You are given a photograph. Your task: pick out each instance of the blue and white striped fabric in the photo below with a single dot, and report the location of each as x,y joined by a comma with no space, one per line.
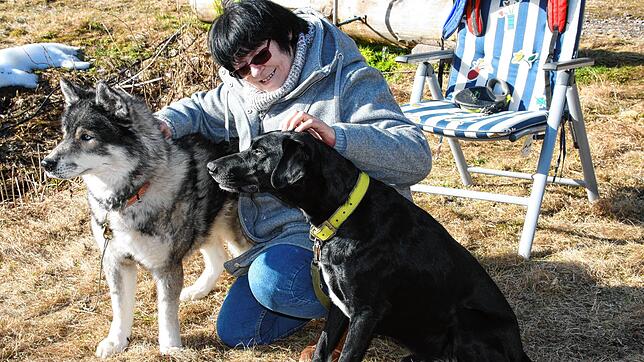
514,48
445,118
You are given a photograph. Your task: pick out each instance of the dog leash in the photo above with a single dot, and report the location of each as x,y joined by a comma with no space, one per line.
108,235
320,234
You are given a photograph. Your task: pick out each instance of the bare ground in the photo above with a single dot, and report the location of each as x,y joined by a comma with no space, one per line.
580,297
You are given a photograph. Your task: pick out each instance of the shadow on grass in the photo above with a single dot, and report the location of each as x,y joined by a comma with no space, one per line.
623,204
610,58
566,314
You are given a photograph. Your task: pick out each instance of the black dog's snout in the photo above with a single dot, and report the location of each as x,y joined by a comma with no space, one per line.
48,164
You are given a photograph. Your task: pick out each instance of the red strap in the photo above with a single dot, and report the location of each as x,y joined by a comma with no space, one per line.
138,195
557,15
473,17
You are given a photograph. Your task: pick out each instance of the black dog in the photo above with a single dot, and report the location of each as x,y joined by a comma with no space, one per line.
390,268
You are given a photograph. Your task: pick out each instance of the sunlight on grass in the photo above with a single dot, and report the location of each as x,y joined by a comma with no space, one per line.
600,73
579,298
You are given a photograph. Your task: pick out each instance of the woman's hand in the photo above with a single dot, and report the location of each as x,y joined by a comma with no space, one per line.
300,121
165,130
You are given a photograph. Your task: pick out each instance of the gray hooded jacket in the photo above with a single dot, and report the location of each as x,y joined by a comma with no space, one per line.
338,87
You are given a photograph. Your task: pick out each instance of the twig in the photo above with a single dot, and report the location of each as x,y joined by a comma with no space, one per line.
101,10
83,311
18,187
32,177
13,191
108,32
142,83
43,189
41,177
156,55
3,189
41,174
3,130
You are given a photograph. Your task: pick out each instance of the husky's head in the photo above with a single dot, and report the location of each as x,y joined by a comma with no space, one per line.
106,133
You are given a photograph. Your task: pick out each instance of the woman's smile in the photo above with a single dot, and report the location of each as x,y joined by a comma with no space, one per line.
270,76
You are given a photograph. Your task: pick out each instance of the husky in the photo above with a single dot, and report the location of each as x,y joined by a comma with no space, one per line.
152,202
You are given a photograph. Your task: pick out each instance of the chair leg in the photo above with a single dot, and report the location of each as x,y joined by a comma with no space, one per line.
459,159
574,107
419,83
425,74
543,167
433,85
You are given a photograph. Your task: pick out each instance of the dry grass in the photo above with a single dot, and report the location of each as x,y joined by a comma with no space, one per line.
580,297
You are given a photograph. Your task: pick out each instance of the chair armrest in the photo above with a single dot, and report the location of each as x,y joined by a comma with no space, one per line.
569,64
425,57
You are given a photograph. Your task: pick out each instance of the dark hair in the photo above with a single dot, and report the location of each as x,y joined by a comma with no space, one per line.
245,24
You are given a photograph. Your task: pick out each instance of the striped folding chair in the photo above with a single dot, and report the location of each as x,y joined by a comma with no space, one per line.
509,40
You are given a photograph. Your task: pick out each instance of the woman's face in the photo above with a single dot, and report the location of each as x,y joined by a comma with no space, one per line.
271,75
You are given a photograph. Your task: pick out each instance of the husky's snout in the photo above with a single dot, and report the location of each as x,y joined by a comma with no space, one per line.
49,164
57,165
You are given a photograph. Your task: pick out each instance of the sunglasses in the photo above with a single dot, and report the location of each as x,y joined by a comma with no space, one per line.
260,58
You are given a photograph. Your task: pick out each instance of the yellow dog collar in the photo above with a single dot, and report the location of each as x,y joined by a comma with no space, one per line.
329,227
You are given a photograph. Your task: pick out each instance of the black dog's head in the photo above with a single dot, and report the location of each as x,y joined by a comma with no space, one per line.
273,161
294,167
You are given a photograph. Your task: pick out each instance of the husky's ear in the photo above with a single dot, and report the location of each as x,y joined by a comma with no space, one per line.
291,166
113,101
71,92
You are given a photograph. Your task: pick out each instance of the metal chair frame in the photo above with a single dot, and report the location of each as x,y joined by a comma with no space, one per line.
565,94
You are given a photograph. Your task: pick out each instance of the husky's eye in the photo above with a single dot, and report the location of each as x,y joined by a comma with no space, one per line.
85,137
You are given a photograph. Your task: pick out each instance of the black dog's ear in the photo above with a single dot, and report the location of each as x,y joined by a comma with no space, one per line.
113,101
291,166
71,92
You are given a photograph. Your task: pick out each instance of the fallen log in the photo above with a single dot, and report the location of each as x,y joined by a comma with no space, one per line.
401,22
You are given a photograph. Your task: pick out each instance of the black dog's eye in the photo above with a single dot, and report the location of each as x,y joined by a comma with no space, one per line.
85,137
258,152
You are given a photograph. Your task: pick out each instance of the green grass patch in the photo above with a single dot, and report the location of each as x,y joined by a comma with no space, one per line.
89,31
382,57
170,21
111,54
50,35
17,32
478,161
90,28
599,73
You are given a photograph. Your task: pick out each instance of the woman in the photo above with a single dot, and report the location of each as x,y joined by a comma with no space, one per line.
291,71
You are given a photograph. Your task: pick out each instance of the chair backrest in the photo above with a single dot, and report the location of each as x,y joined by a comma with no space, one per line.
513,48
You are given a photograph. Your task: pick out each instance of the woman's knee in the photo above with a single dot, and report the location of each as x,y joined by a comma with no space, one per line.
272,273
243,321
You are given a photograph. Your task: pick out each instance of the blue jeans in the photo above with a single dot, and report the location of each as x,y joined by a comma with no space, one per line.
272,301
